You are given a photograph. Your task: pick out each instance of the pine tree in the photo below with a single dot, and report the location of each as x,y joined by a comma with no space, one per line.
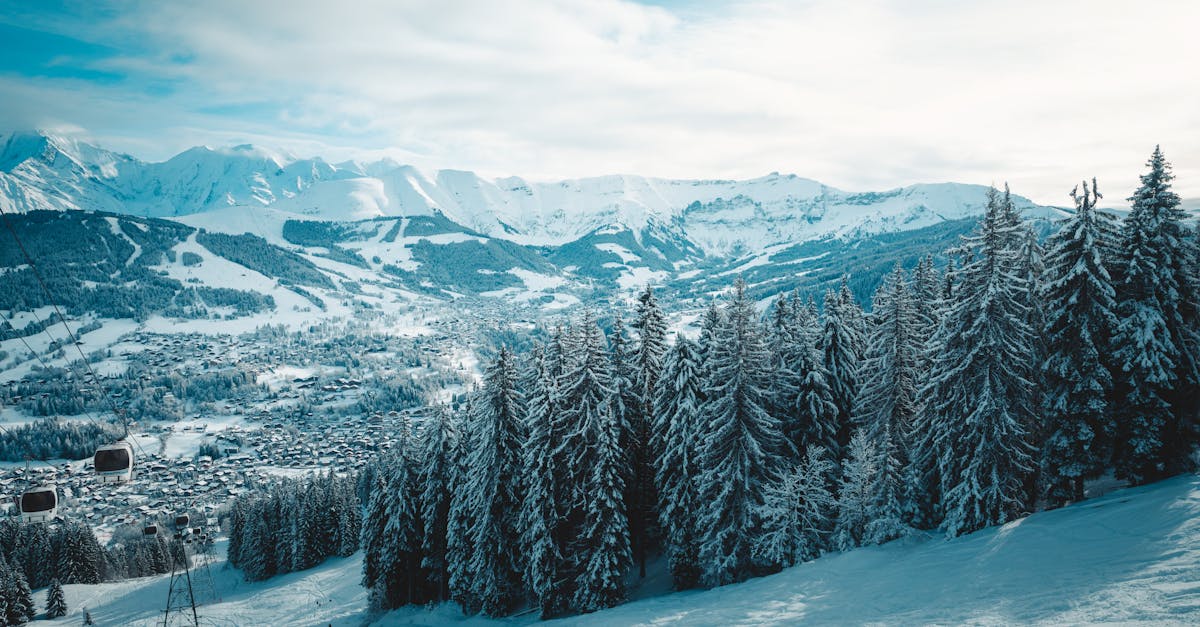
890,510
21,609
56,601
927,292
604,548
977,428
816,413
375,571
648,363
677,411
587,395
931,292
539,511
1155,400
786,341
491,492
798,512
439,446
404,578
842,347
742,452
857,492
1080,303
458,523
634,433
887,399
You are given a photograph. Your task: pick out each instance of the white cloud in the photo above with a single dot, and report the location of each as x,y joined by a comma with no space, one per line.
857,94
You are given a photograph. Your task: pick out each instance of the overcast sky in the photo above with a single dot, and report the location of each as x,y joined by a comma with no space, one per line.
857,94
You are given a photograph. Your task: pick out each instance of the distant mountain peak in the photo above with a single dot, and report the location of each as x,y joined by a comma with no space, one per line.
718,216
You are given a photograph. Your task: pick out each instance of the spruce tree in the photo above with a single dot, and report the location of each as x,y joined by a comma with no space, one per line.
587,396
856,492
634,433
1154,344
1080,305
604,547
891,511
491,495
439,448
651,327
798,512
677,415
887,401
56,601
842,347
742,452
815,411
540,509
976,432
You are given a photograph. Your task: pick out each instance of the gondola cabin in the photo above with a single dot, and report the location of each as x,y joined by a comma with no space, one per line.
114,462
40,504
181,521
150,530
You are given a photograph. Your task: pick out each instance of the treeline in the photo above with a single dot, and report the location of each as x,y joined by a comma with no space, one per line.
964,399
293,525
101,273
257,254
54,439
40,553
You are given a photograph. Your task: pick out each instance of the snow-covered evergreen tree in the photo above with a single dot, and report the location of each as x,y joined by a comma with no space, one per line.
856,492
798,512
439,451
584,392
891,511
540,509
642,503
491,492
842,349
742,452
927,291
815,412
1080,305
887,399
603,549
677,415
56,601
458,523
633,433
977,428
1154,345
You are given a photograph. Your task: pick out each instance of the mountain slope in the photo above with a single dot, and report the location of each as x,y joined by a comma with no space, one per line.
1130,557
713,217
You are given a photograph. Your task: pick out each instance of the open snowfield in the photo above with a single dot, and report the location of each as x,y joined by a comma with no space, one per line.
1130,557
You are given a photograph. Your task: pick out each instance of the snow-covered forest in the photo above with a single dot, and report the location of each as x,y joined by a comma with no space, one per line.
968,396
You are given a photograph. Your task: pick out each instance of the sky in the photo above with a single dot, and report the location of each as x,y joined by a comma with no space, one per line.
858,94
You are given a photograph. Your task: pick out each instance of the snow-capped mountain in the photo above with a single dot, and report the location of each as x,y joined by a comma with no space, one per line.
713,217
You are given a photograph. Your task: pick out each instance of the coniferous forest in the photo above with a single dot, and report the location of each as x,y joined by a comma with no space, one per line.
972,393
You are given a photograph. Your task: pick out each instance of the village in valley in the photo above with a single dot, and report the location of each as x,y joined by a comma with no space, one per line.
215,416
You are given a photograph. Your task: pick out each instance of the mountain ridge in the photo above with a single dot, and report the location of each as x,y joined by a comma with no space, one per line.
718,217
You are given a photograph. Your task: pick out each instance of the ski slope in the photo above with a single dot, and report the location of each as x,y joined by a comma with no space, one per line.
1130,557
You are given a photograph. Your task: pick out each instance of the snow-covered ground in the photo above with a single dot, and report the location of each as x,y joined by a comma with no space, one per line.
1130,557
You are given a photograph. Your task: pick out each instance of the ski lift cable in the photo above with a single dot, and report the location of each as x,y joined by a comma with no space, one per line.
42,361
71,334
29,456
70,366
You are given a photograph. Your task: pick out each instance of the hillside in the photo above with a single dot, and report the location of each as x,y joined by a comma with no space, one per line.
1130,557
